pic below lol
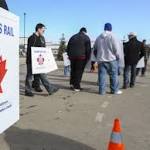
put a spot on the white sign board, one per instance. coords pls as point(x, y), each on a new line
point(43, 60)
point(121, 55)
point(141, 63)
point(66, 59)
point(9, 69)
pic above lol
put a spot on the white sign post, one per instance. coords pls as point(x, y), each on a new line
point(9, 69)
point(43, 60)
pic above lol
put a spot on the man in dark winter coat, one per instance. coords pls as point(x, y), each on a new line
point(3, 4)
point(133, 51)
point(36, 40)
point(79, 51)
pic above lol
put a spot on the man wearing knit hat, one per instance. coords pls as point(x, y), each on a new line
point(133, 51)
point(107, 51)
point(79, 52)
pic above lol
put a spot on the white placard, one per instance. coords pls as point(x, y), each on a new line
point(9, 69)
point(141, 63)
point(43, 60)
point(66, 59)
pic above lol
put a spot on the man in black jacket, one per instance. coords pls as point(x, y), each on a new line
point(133, 51)
point(3, 4)
point(33, 40)
point(79, 52)
point(36, 40)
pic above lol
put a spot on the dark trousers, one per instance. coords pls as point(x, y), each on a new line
point(36, 82)
point(92, 65)
point(143, 70)
point(41, 77)
point(77, 69)
point(127, 78)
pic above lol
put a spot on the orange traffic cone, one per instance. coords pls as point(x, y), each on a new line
point(116, 137)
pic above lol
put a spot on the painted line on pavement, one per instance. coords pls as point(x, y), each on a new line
point(99, 117)
point(105, 104)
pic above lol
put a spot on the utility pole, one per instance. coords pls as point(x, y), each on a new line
point(25, 32)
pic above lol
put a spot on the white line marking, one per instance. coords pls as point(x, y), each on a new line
point(99, 117)
point(105, 104)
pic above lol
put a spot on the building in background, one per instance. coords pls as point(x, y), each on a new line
point(22, 52)
point(52, 45)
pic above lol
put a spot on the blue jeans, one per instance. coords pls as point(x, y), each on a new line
point(67, 71)
point(110, 68)
point(42, 77)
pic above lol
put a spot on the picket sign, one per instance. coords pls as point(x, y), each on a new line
point(141, 63)
point(43, 60)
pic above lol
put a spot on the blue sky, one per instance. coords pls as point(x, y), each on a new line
point(67, 16)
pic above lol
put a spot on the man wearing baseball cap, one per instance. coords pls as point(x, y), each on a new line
point(133, 51)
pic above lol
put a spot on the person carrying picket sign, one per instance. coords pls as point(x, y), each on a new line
point(36, 40)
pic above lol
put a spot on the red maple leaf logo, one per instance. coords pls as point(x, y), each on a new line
point(3, 71)
point(40, 60)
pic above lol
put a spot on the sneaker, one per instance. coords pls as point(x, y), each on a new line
point(77, 90)
point(132, 86)
point(30, 94)
point(119, 92)
point(102, 94)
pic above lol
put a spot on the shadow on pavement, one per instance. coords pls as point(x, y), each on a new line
point(20, 139)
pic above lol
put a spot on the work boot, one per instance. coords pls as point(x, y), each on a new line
point(132, 86)
point(125, 86)
point(30, 94)
point(38, 89)
point(54, 90)
point(33, 85)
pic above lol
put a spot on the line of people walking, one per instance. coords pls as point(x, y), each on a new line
point(111, 54)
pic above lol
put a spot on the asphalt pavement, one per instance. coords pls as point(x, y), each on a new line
point(69, 120)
